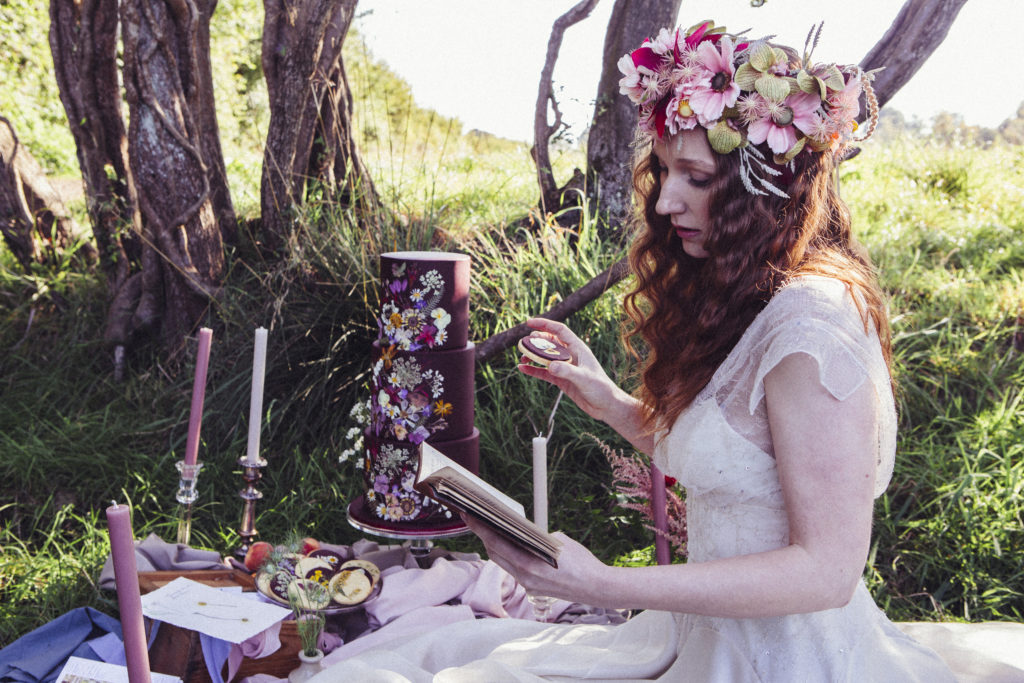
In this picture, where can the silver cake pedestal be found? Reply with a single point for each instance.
(419, 542)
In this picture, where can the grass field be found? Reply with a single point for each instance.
(942, 223)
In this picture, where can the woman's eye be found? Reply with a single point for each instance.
(700, 182)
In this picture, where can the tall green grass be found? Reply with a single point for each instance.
(941, 223)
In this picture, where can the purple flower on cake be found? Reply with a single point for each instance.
(419, 435)
(380, 483)
(407, 481)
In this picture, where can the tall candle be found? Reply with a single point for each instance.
(195, 417)
(540, 482)
(259, 368)
(659, 512)
(129, 600)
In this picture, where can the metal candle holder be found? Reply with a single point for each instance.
(252, 472)
(186, 496)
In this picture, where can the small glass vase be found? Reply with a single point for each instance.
(309, 666)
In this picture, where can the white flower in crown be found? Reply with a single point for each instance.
(441, 318)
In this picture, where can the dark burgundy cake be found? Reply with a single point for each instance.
(421, 389)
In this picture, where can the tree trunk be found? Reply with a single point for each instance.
(309, 140)
(83, 42)
(611, 132)
(29, 206)
(918, 29)
(202, 104)
(183, 258)
(550, 193)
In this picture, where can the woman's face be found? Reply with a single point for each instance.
(686, 166)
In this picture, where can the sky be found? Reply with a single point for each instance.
(480, 60)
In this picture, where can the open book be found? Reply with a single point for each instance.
(446, 481)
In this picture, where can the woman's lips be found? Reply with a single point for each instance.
(686, 233)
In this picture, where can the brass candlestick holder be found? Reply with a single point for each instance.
(252, 472)
(186, 496)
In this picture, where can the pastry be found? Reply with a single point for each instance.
(542, 350)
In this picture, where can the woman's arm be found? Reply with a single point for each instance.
(825, 453)
(587, 384)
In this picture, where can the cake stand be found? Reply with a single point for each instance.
(418, 541)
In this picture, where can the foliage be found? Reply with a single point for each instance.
(941, 221)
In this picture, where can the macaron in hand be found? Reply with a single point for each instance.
(542, 351)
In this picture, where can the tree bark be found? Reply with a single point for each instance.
(83, 43)
(597, 286)
(183, 258)
(611, 131)
(309, 139)
(550, 193)
(918, 29)
(30, 209)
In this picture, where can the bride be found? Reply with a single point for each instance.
(765, 391)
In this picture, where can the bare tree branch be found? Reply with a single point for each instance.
(542, 132)
(597, 286)
(918, 29)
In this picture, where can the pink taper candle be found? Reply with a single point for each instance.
(660, 514)
(195, 417)
(129, 600)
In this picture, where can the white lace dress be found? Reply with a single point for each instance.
(720, 449)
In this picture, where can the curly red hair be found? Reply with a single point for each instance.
(690, 312)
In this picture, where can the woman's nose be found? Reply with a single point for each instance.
(669, 200)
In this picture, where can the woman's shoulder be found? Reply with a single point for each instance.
(815, 297)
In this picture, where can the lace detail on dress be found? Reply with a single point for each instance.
(812, 315)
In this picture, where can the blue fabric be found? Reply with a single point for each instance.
(38, 656)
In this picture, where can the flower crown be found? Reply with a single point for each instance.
(745, 93)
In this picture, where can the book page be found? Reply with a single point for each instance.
(433, 460)
(79, 670)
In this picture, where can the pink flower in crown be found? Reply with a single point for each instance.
(843, 108)
(664, 43)
(709, 101)
(640, 81)
(781, 120)
(679, 113)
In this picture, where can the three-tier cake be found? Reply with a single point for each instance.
(421, 389)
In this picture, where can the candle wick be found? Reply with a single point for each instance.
(115, 504)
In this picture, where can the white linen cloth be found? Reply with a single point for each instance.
(720, 450)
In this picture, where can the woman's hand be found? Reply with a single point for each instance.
(587, 384)
(583, 380)
(574, 580)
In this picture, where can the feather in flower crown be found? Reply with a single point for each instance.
(745, 93)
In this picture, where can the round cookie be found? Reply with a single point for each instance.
(542, 350)
(372, 571)
(350, 586)
(308, 594)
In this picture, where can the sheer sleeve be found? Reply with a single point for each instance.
(816, 316)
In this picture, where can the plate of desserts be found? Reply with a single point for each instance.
(320, 580)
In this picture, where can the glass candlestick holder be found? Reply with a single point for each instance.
(252, 472)
(186, 496)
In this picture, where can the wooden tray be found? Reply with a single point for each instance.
(176, 651)
(218, 578)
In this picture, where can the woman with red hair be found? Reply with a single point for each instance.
(764, 389)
